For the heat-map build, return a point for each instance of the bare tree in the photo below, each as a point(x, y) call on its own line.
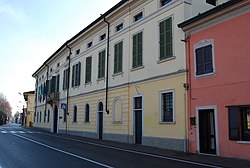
point(5, 109)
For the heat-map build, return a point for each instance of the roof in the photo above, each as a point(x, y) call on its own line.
point(208, 13)
point(81, 32)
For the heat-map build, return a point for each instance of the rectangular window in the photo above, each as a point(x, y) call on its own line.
point(137, 17)
point(90, 44)
point(101, 64)
point(118, 57)
point(166, 39)
point(119, 27)
point(77, 51)
point(211, 2)
point(164, 2)
point(137, 50)
point(76, 74)
point(239, 123)
point(167, 107)
point(102, 37)
point(88, 69)
point(204, 60)
point(66, 79)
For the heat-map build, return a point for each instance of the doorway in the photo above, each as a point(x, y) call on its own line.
point(138, 119)
point(100, 120)
point(207, 134)
point(55, 119)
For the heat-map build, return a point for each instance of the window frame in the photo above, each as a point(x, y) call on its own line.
point(161, 108)
point(141, 14)
point(102, 37)
point(66, 79)
point(119, 27)
point(199, 45)
point(76, 75)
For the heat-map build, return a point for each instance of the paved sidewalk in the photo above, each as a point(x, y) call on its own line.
point(206, 159)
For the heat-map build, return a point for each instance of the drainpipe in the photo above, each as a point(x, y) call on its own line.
point(46, 102)
point(107, 70)
point(67, 110)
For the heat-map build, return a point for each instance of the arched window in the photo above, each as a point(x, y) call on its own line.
point(100, 107)
point(117, 110)
point(75, 114)
point(87, 113)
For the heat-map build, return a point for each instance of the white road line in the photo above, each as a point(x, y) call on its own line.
point(21, 132)
point(65, 152)
point(12, 132)
point(141, 153)
point(30, 132)
point(4, 132)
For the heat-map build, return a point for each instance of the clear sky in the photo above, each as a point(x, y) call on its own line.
point(31, 31)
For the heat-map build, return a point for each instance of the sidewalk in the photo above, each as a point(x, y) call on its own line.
point(206, 159)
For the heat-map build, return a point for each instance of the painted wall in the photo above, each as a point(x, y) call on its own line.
point(230, 85)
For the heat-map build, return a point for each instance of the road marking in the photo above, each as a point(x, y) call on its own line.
point(141, 153)
point(4, 132)
point(12, 132)
point(65, 152)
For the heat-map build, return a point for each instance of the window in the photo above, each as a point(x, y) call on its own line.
point(167, 107)
point(164, 2)
point(211, 2)
point(66, 79)
point(118, 58)
point(75, 114)
point(166, 44)
point(53, 84)
point(102, 37)
point(117, 110)
point(137, 17)
point(88, 69)
point(119, 27)
point(90, 44)
point(58, 64)
point(77, 51)
point(87, 113)
point(239, 123)
point(204, 60)
point(48, 115)
point(76, 74)
point(137, 50)
point(101, 64)
point(44, 117)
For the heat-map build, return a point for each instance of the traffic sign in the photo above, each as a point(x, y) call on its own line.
point(63, 106)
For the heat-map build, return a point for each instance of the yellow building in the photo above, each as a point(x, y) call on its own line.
point(122, 78)
point(29, 98)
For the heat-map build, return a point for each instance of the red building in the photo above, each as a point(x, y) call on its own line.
point(218, 61)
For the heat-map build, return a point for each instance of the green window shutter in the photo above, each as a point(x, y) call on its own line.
point(88, 69)
point(64, 78)
point(57, 83)
point(78, 74)
point(118, 57)
point(101, 64)
point(137, 50)
point(73, 76)
point(166, 40)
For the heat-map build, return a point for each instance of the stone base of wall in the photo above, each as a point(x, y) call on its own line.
point(80, 133)
point(118, 137)
point(166, 143)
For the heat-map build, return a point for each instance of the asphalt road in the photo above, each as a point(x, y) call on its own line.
point(24, 148)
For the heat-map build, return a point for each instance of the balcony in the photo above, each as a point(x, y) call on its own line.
point(53, 97)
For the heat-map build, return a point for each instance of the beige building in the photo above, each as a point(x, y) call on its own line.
point(123, 77)
point(29, 98)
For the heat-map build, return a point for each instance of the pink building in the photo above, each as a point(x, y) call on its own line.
point(218, 61)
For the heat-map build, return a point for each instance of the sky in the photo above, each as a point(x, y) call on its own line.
point(31, 31)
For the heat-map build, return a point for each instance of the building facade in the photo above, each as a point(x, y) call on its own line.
point(29, 98)
point(122, 78)
point(219, 95)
